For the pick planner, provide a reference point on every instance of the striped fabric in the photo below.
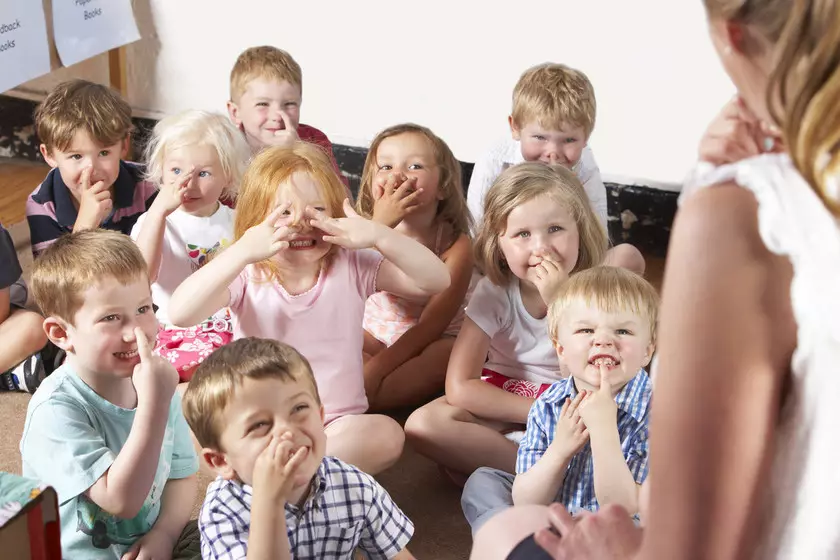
(578, 490)
(51, 213)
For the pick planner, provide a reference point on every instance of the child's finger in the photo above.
(565, 408)
(275, 214)
(85, 177)
(284, 451)
(287, 121)
(295, 461)
(349, 211)
(574, 404)
(412, 198)
(144, 350)
(404, 188)
(605, 379)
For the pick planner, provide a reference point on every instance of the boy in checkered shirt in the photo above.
(254, 407)
(586, 443)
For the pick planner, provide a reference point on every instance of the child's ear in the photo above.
(233, 113)
(218, 462)
(58, 333)
(322, 414)
(48, 156)
(560, 353)
(514, 130)
(125, 144)
(649, 351)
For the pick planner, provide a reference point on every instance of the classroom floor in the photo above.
(427, 497)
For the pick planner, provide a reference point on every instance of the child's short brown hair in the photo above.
(81, 105)
(214, 383)
(265, 62)
(75, 262)
(524, 182)
(610, 289)
(554, 96)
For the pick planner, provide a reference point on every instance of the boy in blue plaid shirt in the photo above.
(586, 443)
(254, 407)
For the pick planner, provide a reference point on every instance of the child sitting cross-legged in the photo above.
(106, 428)
(254, 408)
(586, 443)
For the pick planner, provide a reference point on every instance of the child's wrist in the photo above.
(558, 453)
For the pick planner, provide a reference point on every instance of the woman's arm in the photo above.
(436, 316)
(727, 335)
(464, 387)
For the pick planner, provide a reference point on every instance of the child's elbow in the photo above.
(125, 507)
(438, 282)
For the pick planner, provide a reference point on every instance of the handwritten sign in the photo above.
(24, 50)
(85, 28)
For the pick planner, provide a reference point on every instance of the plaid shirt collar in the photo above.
(633, 399)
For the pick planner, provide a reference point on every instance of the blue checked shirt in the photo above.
(578, 490)
(346, 509)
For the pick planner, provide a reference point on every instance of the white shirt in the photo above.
(507, 152)
(519, 344)
(187, 243)
(803, 517)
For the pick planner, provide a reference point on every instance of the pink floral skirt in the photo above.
(186, 348)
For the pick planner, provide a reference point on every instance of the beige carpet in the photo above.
(415, 483)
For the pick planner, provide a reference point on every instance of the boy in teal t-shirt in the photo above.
(106, 429)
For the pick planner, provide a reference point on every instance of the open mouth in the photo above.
(604, 360)
(126, 355)
(302, 243)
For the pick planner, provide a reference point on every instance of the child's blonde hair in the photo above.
(214, 384)
(804, 89)
(266, 62)
(554, 96)
(81, 105)
(524, 182)
(610, 289)
(195, 128)
(273, 166)
(453, 208)
(75, 262)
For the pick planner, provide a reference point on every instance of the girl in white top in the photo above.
(744, 451)
(299, 271)
(538, 228)
(196, 158)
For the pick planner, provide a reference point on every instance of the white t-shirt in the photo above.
(187, 243)
(519, 344)
(508, 152)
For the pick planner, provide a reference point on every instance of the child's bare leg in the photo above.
(626, 256)
(371, 345)
(22, 334)
(416, 381)
(456, 439)
(370, 442)
(502, 532)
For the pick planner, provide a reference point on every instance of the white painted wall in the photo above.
(450, 65)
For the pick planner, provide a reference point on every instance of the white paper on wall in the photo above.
(85, 28)
(24, 49)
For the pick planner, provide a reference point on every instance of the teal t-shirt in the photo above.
(70, 438)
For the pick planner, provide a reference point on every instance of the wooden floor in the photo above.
(17, 180)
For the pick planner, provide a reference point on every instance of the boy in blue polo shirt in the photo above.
(586, 443)
(84, 130)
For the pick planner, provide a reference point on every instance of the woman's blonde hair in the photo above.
(804, 90)
(272, 167)
(192, 128)
(520, 184)
(452, 209)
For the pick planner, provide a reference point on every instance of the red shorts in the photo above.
(186, 348)
(515, 386)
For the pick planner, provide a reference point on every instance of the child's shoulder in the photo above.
(556, 395)
(309, 133)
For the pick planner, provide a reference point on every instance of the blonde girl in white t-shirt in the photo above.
(538, 228)
(196, 158)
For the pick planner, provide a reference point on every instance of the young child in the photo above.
(551, 121)
(538, 228)
(255, 409)
(412, 183)
(195, 158)
(21, 330)
(106, 429)
(300, 272)
(266, 91)
(586, 443)
(84, 130)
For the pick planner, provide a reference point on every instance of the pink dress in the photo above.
(388, 317)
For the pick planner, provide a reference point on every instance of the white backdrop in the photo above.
(450, 65)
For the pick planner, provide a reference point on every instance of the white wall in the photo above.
(450, 65)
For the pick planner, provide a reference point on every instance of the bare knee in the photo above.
(626, 256)
(502, 532)
(424, 423)
(391, 438)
